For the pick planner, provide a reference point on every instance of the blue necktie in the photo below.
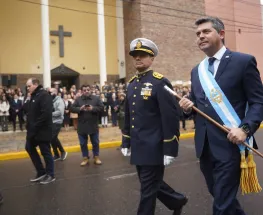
(211, 61)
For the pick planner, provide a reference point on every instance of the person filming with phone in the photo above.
(88, 108)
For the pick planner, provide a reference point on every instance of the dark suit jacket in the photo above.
(16, 106)
(239, 79)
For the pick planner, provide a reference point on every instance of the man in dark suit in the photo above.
(151, 130)
(239, 79)
(16, 111)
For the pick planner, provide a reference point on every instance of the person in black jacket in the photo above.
(39, 131)
(16, 111)
(88, 108)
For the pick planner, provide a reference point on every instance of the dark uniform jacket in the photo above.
(87, 120)
(39, 117)
(151, 120)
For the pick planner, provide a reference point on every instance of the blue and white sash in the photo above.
(218, 100)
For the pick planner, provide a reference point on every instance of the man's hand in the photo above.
(186, 104)
(82, 107)
(167, 160)
(236, 135)
(125, 152)
(89, 108)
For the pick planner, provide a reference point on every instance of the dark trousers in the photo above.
(183, 122)
(83, 140)
(4, 123)
(114, 117)
(55, 142)
(46, 153)
(152, 187)
(20, 119)
(222, 178)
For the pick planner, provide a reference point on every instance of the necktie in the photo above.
(211, 61)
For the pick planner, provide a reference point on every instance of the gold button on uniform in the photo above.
(133, 111)
(132, 126)
(133, 103)
(137, 80)
(135, 88)
(134, 95)
(132, 118)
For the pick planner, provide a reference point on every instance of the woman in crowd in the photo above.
(66, 113)
(104, 114)
(74, 116)
(21, 97)
(4, 113)
(120, 110)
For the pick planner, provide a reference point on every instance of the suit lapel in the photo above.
(223, 63)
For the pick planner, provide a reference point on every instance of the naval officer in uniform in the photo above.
(151, 130)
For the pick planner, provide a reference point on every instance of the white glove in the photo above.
(168, 160)
(125, 152)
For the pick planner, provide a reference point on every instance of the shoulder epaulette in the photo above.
(132, 78)
(157, 75)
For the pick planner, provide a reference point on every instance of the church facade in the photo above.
(74, 37)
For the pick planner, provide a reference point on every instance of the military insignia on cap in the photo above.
(138, 44)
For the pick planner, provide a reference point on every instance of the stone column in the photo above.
(102, 46)
(120, 37)
(45, 43)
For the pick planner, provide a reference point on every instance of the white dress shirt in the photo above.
(218, 56)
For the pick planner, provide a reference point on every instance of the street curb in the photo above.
(23, 154)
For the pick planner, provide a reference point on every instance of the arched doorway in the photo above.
(65, 75)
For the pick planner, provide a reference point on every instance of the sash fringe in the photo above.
(252, 173)
(244, 181)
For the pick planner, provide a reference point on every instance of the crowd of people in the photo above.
(12, 107)
(13, 104)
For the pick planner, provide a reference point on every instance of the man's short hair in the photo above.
(84, 86)
(34, 81)
(217, 24)
(54, 90)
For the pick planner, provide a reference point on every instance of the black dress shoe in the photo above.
(179, 210)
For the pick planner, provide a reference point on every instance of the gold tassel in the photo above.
(244, 185)
(252, 174)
